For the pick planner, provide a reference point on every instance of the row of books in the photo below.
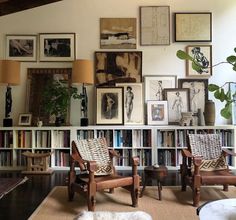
(166, 157)
(165, 138)
(108, 135)
(6, 139)
(145, 157)
(62, 158)
(43, 139)
(85, 134)
(123, 138)
(61, 139)
(21, 160)
(5, 158)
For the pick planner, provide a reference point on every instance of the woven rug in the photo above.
(8, 184)
(174, 205)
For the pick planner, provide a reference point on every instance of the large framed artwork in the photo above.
(154, 85)
(178, 102)
(21, 47)
(57, 47)
(133, 103)
(118, 33)
(154, 25)
(109, 105)
(117, 67)
(203, 55)
(192, 27)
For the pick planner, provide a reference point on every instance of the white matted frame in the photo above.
(154, 25)
(154, 86)
(157, 112)
(133, 103)
(25, 119)
(109, 106)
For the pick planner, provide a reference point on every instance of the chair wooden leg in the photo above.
(135, 191)
(183, 177)
(196, 196)
(111, 190)
(226, 187)
(71, 180)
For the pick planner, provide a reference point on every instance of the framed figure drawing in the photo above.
(109, 105)
(133, 103)
(157, 112)
(178, 102)
(117, 67)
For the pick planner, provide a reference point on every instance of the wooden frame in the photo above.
(157, 112)
(117, 67)
(133, 103)
(57, 47)
(192, 27)
(25, 119)
(178, 101)
(155, 84)
(21, 47)
(118, 33)
(109, 105)
(203, 55)
(154, 25)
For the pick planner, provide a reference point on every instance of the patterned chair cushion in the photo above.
(96, 150)
(209, 147)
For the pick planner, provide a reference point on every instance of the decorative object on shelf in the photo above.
(82, 72)
(209, 112)
(187, 119)
(40, 123)
(25, 119)
(9, 75)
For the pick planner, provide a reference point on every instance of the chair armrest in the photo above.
(135, 161)
(113, 153)
(228, 152)
(92, 165)
(186, 153)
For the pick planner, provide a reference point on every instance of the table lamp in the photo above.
(82, 73)
(9, 75)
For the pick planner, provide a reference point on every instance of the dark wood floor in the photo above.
(23, 200)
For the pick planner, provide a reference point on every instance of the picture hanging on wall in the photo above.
(118, 33)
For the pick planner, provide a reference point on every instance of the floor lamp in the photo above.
(82, 73)
(9, 75)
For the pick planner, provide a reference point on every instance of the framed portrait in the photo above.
(25, 119)
(133, 103)
(117, 67)
(192, 27)
(154, 86)
(178, 102)
(21, 47)
(154, 25)
(57, 47)
(109, 104)
(157, 112)
(118, 33)
(203, 55)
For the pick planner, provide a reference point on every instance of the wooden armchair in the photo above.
(204, 163)
(97, 172)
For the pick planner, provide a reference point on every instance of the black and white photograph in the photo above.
(25, 119)
(57, 47)
(133, 103)
(21, 47)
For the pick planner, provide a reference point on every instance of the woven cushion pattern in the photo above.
(96, 150)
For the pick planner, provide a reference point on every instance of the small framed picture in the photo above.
(25, 119)
(178, 102)
(154, 86)
(57, 47)
(21, 47)
(157, 112)
(203, 55)
(109, 104)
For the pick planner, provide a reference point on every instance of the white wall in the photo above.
(82, 17)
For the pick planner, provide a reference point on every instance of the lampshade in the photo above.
(10, 72)
(82, 72)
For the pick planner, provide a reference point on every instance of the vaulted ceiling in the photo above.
(12, 6)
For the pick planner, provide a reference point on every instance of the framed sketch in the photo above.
(133, 103)
(109, 105)
(25, 119)
(192, 27)
(178, 102)
(157, 112)
(57, 47)
(203, 55)
(154, 25)
(118, 33)
(154, 86)
(21, 47)
(117, 67)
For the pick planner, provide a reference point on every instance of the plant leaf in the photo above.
(231, 59)
(213, 87)
(183, 55)
(226, 111)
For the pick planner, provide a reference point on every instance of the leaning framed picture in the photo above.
(21, 47)
(154, 25)
(57, 47)
(117, 67)
(154, 85)
(178, 102)
(109, 106)
(133, 103)
(193, 27)
(203, 55)
(157, 112)
(25, 119)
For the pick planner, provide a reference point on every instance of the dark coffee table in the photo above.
(158, 174)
